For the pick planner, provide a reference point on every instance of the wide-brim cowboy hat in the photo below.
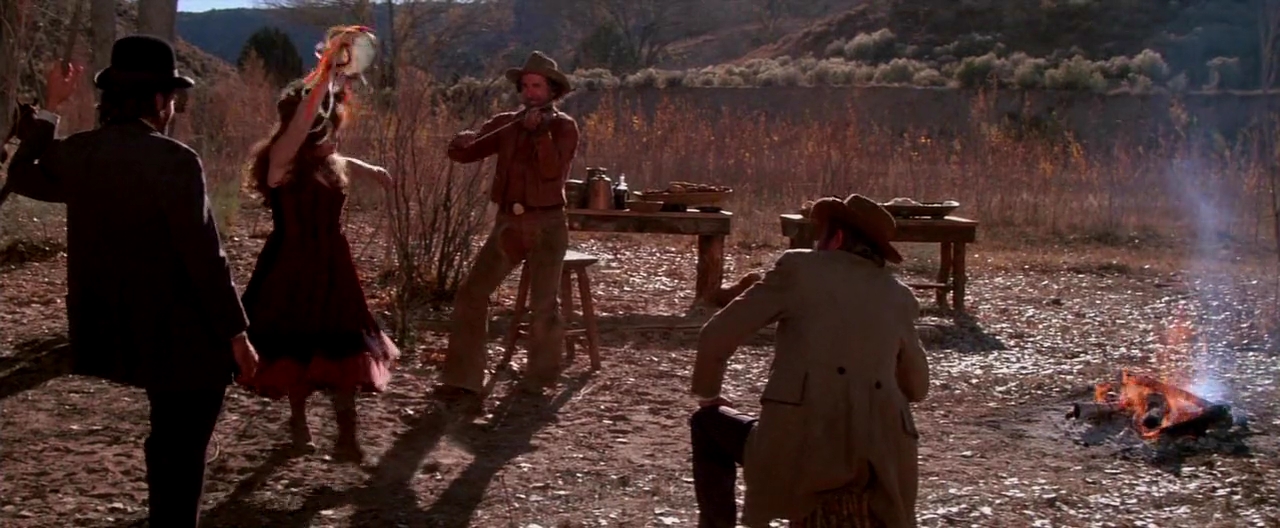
(542, 65)
(861, 214)
(142, 62)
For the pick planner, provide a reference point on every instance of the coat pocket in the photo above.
(785, 387)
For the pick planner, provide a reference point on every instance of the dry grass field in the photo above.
(1151, 254)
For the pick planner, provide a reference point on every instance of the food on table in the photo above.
(641, 206)
(679, 187)
(900, 201)
(909, 202)
(805, 208)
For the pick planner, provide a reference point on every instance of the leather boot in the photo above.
(347, 448)
(299, 432)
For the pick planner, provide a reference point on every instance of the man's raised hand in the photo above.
(60, 82)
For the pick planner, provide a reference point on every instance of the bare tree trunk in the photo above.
(102, 27)
(69, 49)
(1268, 27)
(158, 18)
(1268, 32)
(388, 59)
(9, 59)
(12, 23)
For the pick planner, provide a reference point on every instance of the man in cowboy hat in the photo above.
(535, 148)
(834, 422)
(150, 298)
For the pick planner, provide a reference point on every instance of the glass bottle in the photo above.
(620, 193)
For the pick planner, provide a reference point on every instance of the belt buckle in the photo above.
(517, 209)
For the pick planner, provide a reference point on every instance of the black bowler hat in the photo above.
(142, 61)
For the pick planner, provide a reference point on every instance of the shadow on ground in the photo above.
(957, 331)
(388, 497)
(22, 251)
(35, 362)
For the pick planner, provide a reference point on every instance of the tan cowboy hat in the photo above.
(862, 214)
(542, 65)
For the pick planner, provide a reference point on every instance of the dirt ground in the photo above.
(611, 447)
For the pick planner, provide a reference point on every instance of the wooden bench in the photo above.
(576, 328)
(951, 234)
(710, 228)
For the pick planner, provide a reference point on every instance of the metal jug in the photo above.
(575, 194)
(599, 190)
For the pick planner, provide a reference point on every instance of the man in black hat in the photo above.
(150, 298)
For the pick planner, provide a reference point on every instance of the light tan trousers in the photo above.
(542, 237)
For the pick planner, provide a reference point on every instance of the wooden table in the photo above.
(951, 233)
(710, 228)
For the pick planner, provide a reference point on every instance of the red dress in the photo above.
(308, 318)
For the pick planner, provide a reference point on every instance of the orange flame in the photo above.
(1156, 401)
(1148, 399)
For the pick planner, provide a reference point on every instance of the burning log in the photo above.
(1214, 415)
(1093, 410)
(1166, 389)
(1156, 408)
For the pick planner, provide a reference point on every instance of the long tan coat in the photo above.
(835, 407)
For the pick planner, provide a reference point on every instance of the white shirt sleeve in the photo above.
(48, 116)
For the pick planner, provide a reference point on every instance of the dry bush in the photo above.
(1077, 73)
(429, 221)
(1143, 72)
(223, 121)
(437, 207)
(873, 47)
(1044, 185)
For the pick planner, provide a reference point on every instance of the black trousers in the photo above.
(719, 438)
(182, 422)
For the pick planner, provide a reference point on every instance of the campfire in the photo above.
(1156, 409)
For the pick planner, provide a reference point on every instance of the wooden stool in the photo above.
(574, 263)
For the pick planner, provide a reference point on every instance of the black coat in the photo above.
(150, 298)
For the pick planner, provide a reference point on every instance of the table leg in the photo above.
(589, 318)
(944, 273)
(5, 191)
(802, 240)
(959, 278)
(710, 268)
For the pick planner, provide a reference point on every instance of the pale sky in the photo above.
(205, 5)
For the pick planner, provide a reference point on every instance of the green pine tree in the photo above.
(280, 58)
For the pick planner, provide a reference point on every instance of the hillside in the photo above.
(223, 32)
(1188, 34)
(723, 31)
(50, 29)
(1071, 44)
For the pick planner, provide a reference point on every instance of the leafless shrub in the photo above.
(437, 207)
